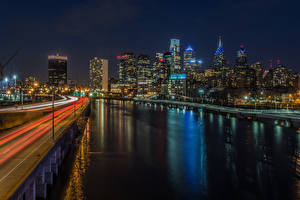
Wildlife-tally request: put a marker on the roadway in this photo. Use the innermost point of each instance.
(40, 106)
(22, 148)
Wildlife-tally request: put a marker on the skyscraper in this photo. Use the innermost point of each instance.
(189, 59)
(219, 58)
(57, 70)
(144, 75)
(175, 50)
(127, 69)
(241, 59)
(98, 74)
(158, 62)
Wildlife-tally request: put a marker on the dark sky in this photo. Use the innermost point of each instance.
(82, 29)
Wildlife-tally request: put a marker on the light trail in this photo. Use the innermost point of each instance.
(17, 140)
(41, 106)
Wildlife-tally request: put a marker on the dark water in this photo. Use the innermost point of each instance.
(141, 152)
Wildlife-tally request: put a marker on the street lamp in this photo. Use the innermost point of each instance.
(53, 93)
(15, 78)
(6, 81)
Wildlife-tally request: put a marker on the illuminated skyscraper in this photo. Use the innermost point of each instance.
(189, 59)
(144, 75)
(127, 69)
(157, 65)
(219, 58)
(99, 74)
(175, 50)
(241, 56)
(57, 70)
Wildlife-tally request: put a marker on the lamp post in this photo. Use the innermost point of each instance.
(15, 78)
(6, 81)
(53, 92)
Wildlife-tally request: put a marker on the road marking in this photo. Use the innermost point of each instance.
(21, 162)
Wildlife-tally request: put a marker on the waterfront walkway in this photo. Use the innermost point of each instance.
(292, 116)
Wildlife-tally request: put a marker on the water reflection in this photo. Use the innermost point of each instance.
(75, 186)
(153, 152)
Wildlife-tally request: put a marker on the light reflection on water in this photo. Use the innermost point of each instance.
(191, 154)
(75, 187)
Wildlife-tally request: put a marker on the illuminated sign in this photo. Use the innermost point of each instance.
(57, 57)
(177, 76)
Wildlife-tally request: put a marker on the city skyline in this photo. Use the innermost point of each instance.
(57, 33)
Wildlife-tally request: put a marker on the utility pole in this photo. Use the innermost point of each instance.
(53, 92)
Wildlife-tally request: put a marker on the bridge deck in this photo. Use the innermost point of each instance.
(22, 149)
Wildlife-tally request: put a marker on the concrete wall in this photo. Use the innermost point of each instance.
(35, 185)
(13, 119)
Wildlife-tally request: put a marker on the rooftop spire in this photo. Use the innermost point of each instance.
(220, 41)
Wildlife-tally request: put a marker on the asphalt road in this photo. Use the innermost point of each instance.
(22, 148)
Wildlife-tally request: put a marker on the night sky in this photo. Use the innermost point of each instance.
(269, 29)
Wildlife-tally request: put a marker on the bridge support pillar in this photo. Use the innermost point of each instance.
(48, 172)
(54, 163)
(41, 185)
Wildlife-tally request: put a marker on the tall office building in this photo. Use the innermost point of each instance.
(241, 59)
(57, 70)
(189, 59)
(219, 58)
(259, 71)
(175, 50)
(127, 69)
(144, 75)
(157, 65)
(98, 74)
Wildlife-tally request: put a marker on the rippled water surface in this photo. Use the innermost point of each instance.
(148, 152)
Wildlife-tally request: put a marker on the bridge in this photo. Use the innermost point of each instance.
(289, 117)
(31, 154)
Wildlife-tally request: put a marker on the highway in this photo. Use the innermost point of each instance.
(22, 148)
(40, 106)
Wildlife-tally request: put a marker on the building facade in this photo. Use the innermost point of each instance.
(189, 60)
(144, 74)
(57, 70)
(98, 75)
(128, 70)
(219, 57)
(175, 51)
(241, 59)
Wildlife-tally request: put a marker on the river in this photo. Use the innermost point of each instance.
(133, 151)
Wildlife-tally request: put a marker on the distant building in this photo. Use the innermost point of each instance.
(189, 60)
(282, 77)
(177, 85)
(57, 70)
(259, 71)
(128, 70)
(175, 50)
(157, 65)
(144, 75)
(241, 59)
(98, 74)
(219, 58)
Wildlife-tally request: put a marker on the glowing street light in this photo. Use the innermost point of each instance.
(15, 78)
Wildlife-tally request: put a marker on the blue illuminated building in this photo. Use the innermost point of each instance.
(177, 76)
(219, 58)
(241, 59)
(177, 84)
